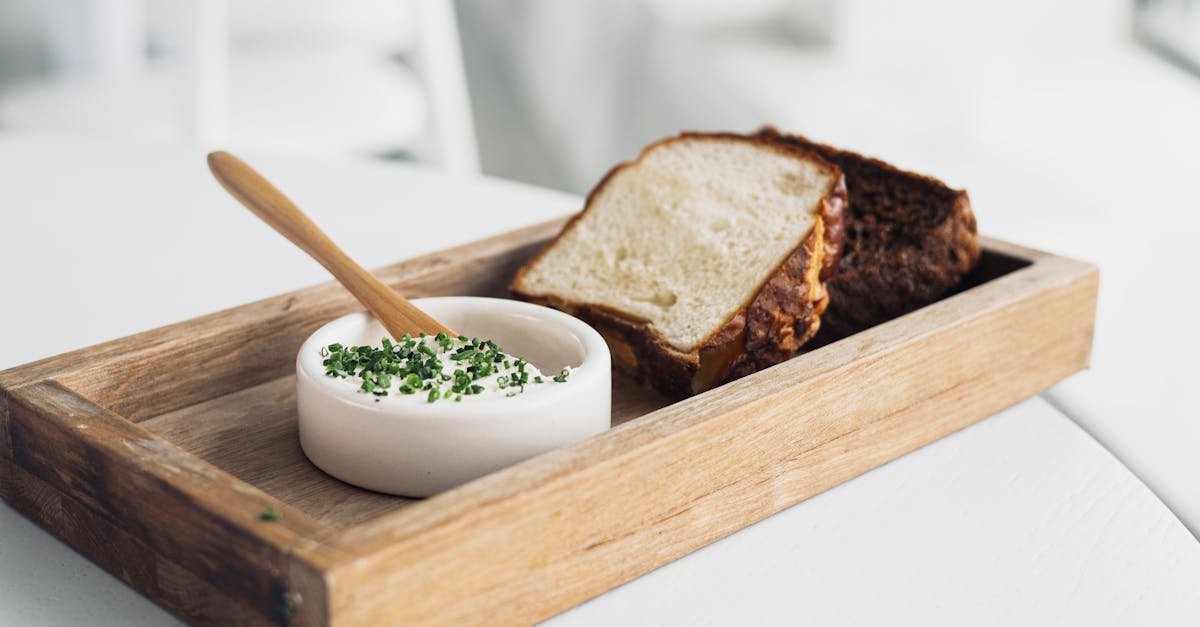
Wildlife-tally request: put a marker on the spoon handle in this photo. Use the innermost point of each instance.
(268, 203)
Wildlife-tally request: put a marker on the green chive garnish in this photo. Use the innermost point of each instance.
(411, 365)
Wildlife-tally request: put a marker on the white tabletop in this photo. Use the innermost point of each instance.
(1022, 518)
(1019, 520)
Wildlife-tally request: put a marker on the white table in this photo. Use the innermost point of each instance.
(1020, 519)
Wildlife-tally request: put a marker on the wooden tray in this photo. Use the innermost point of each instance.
(154, 455)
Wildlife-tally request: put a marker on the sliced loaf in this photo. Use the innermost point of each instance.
(701, 261)
(909, 239)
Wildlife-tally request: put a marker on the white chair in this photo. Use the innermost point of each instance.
(294, 77)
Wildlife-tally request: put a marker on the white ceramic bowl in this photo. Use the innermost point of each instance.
(403, 445)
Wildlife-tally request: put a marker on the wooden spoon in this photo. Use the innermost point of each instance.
(268, 203)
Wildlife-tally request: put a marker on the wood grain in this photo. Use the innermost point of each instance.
(111, 442)
(191, 513)
(251, 434)
(125, 376)
(129, 559)
(496, 549)
(6, 470)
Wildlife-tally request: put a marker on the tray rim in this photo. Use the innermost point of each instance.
(315, 557)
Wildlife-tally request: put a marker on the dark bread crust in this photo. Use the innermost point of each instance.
(909, 239)
(778, 319)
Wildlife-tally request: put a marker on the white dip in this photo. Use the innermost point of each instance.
(435, 368)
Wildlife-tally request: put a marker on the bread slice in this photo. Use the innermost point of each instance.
(909, 239)
(701, 261)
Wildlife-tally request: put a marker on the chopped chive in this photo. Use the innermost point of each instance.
(418, 365)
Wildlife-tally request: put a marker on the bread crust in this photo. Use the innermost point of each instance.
(769, 328)
(931, 241)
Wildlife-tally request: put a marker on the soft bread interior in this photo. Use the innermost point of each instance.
(684, 237)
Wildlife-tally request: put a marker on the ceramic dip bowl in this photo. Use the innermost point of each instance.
(404, 445)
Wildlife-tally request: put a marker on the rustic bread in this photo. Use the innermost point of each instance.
(909, 240)
(701, 261)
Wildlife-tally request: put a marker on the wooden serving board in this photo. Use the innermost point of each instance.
(155, 455)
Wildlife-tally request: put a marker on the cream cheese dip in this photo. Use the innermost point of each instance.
(435, 368)
(402, 443)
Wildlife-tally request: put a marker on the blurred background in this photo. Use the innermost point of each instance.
(1074, 125)
(555, 92)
